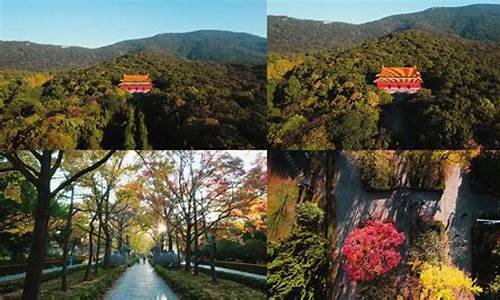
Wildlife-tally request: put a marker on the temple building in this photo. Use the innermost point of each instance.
(399, 80)
(136, 83)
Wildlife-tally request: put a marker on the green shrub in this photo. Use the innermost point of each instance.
(250, 251)
(494, 286)
(12, 285)
(309, 216)
(427, 243)
(299, 263)
(425, 170)
(187, 290)
(378, 170)
(253, 250)
(227, 249)
(94, 289)
(248, 281)
(8, 269)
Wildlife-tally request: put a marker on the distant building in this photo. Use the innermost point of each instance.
(399, 80)
(136, 83)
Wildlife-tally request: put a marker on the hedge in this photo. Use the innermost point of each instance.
(248, 281)
(188, 291)
(245, 267)
(21, 268)
(379, 170)
(97, 287)
(16, 284)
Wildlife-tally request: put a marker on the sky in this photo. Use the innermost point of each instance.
(95, 23)
(357, 11)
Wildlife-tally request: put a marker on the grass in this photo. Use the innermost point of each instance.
(189, 286)
(51, 289)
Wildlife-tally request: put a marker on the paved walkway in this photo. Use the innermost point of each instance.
(226, 270)
(45, 271)
(140, 282)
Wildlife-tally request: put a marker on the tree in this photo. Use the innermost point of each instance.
(446, 283)
(17, 205)
(372, 250)
(39, 167)
(67, 235)
(299, 263)
(194, 191)
(355, 129)
(102, 183)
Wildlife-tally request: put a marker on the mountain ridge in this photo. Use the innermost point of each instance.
(477, 21)
(202, 45)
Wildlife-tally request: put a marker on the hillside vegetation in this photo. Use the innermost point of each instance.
(203, 45)
(329, 100)
(478, 22)
(193, 105)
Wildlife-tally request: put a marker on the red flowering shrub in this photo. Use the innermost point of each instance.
(372, 250)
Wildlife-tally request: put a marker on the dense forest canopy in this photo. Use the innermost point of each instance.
(202, 45)
(192, 105)
(478, 22)
(329, 100)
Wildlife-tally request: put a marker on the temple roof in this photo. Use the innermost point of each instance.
(134, 78)
(399, 75)
(398, 72)
(399, 80)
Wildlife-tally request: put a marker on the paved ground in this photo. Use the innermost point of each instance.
(226, 270)
(456, 206)
(140, 282)
(21, 275)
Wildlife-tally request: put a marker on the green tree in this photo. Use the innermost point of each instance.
(298, 267)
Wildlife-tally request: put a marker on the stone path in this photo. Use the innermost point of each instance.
(22, 275)
(140, 282)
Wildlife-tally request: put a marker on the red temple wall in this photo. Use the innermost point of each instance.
(398, 86)
(137, 87)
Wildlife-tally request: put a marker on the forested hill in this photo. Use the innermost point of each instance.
(477, 22)
(330, 101)
(196, 105)
(203, 45)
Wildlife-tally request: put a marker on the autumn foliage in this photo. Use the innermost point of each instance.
(372, 250)
(447, 283)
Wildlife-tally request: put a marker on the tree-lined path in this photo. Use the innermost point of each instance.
(140, 282)
(110, 209)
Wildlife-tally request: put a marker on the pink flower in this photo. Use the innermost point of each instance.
(372, 250)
